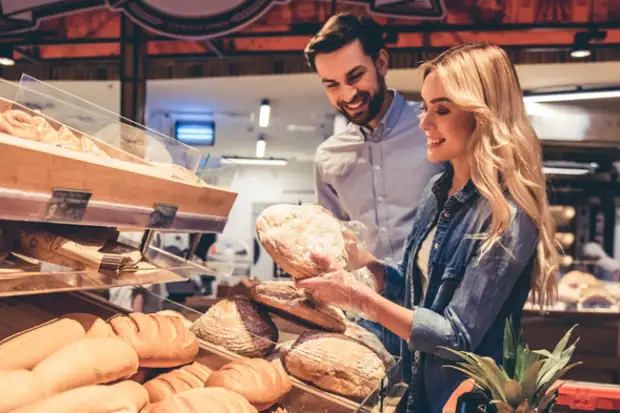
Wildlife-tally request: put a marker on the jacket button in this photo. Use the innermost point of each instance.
(446, 215)
(436, 245)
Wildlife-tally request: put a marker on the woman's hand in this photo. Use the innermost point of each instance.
(357, 256)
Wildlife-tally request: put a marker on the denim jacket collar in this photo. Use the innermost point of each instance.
(442, 186)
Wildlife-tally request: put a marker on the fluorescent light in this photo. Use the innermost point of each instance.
(580, 54)
(571, 96)
(254, 161)
(565, 171)
(264, 114)
(260, 147)
(7, 61)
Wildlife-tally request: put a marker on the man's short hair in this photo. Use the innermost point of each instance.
(342, 29)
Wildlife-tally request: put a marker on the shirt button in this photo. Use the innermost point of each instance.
(446, 215)
(382, 229)
(377, 168)
(380, 199)
(436, 245)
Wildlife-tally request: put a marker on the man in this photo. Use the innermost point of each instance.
(376, 169)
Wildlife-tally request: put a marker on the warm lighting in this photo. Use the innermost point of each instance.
(573, 95)
(260, 147)
(6, 55)
(264, 114)
(254, 161)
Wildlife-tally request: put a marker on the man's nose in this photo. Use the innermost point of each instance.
(348, 93)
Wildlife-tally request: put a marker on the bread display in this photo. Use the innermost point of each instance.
(596, 298)
(206, 400)
(370, 340)
(261, 383)
(124, 397)
(172, 313)
(572, 284)
(94, 326)
(27, 348)
(18, 388)
(160, 341)
(336, 363)
(292, 233)
(86, 362)
(192, 376)
(238, 325)
(288, 299)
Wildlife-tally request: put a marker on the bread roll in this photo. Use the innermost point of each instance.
(596, 298)
(291, 233)
(579, 279)
(124, 397)
(206, 400)
(24, 350)
(336, 363)
(18, 388)
(172, 313)
(286, 298)
(238, 325)
(192, 376)
(262, 383)
(86, 362)
(94, 326)
(160, 341)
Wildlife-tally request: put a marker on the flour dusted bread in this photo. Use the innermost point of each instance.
(261, 383)
(286, 298)
(207, 400)
(159, 340)
(291, 233)
(370, 340)
(124, 397)
(192, 376)
(27, 348)
(238, 325)
(336, 363)
(18, 388)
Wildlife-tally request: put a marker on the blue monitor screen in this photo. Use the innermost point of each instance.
(199, 133)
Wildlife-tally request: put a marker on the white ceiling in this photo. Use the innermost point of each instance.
(299, 99)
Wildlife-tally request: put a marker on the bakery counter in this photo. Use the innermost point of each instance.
(22, 313)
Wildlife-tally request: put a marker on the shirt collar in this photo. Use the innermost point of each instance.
(442, 186)
(388, 123)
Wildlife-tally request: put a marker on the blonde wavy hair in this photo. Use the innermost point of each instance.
(504, 151)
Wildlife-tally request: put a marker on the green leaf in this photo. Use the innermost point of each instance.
(529, 381)
(543, 353)
(510, 349)
(559, 348)
(544, 386)
(545, 401)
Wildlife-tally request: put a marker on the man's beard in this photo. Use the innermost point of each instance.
(375, 102)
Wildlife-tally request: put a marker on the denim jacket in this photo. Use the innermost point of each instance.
(468, 298)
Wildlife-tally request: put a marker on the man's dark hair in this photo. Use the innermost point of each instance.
(342, 29)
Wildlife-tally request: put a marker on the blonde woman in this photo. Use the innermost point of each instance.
(482, 238)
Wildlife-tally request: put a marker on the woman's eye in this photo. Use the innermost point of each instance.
(442, 111)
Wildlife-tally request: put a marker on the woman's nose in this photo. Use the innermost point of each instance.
(427, 122)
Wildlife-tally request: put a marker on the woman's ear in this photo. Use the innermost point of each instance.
(382, 62)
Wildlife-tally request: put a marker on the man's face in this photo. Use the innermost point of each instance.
(355, 84)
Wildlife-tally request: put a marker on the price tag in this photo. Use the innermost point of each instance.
(67, 205)
(162, 216)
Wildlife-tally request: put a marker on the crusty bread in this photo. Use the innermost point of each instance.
(238, 325)
(124, 397)
(262, 383)
(18, 388)
(291, 233)
(27, 348)
(159, 340)
(596, 298)
(579, 279)
(192, 376)
(172, 313)
(94, 326)
(87, 362)
(206, 400)
(288, 300)
(336, 363)
(372, 341)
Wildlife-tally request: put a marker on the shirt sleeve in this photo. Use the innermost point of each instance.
(485, 287)
(327, 196)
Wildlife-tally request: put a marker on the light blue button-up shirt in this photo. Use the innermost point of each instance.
(377, 177)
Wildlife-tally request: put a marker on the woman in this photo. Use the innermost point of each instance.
(482, 237)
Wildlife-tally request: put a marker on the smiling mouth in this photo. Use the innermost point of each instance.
(435, 142)
(354, 107)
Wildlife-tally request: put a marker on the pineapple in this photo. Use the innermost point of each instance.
(527, 380)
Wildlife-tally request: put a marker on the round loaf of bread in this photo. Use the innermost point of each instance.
(238, 325)
(206, 400)
(192, 376)
(579, 279)
(159, 340)
(262, 383)
(292, 233)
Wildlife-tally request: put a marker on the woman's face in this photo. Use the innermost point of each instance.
(447, 127)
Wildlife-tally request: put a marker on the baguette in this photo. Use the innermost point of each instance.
(159, 340)
(124, 397)
(26, 349)
(94, 326)
(172, 313)
(207, 400)
(86, 362)
(18, 388)
(192, 376)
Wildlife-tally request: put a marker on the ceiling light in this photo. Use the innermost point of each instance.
(301, 128)
(572, 95)
(6, 55)
(550, 170)
(254, 161)
(582, 43)
(260, 146)
(264, 114)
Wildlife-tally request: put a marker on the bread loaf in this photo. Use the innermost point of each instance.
(172, 313)
(124, 397)
(27, 348)
(286, 298)
(160, 341)
(86, 362)
(372, 341)
(291, 233)
(238, 325)
(206, 400)
(336, 363)
(94, 326)
(18, 388)
(261, 383)
(192, 376)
